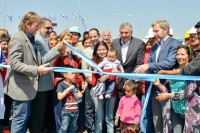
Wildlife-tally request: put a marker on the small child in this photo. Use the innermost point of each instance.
(110, 62)
(129, 108)
(70, 95)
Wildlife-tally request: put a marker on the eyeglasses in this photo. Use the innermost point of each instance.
(48, 28)
(53, 44)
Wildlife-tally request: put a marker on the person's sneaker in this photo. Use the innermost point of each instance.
(107, 96)
(101, 97)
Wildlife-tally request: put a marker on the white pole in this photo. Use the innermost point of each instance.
(4, 21)
(79, 12)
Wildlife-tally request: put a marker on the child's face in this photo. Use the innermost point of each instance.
(111, 56)
(68, 39)
(129, 91)
(69, 76)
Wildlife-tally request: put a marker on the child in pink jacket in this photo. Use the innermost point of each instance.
(129, 108)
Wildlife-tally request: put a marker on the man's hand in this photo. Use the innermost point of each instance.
(71, 87)
(60, 46)
(43, 69)
(78, 95)
(116, 70)
(142, 68)
(163, 96)
(116, 122)
(83, 86)
(157, 83)
(88, 78)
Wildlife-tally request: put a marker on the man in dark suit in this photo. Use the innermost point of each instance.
(162, 56)
(130, 51)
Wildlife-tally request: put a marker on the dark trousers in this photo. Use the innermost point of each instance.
(81, 117)
(89, 111)
(42, 115)
(120, 94)
(8, 104)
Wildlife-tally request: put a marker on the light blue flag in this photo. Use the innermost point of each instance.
(64, 69)
(143, 122)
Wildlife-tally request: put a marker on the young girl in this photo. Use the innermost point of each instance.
(129, 108)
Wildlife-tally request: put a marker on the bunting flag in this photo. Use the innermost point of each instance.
(75, 15)
(52, 17)
(20, 16)
(64, 16)
(9, 17)
(83, 22)
(82, 19)
(42, 16)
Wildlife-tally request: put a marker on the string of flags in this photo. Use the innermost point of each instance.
(53, 17)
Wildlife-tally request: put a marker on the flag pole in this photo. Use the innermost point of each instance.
(4, 21)
(79, 11)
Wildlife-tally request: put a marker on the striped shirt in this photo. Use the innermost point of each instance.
(69, 102)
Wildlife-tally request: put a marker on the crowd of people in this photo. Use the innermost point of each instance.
(39, 100)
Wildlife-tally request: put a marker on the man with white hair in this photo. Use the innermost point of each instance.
(106, 37)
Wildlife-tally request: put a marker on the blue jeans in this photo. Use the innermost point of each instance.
(111, 86)
(69, 120)
(89, 111)
(21, 112)
(101, 90)
(109, 113)
(101, 106)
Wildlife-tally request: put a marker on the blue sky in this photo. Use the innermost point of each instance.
(106, 14)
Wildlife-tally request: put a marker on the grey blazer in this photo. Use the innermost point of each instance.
(134, 57)
(46, 82)
(22, 79)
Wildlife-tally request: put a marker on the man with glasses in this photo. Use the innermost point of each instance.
(194, 40)
(193, 67)
(42, 105)
(197, 26)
